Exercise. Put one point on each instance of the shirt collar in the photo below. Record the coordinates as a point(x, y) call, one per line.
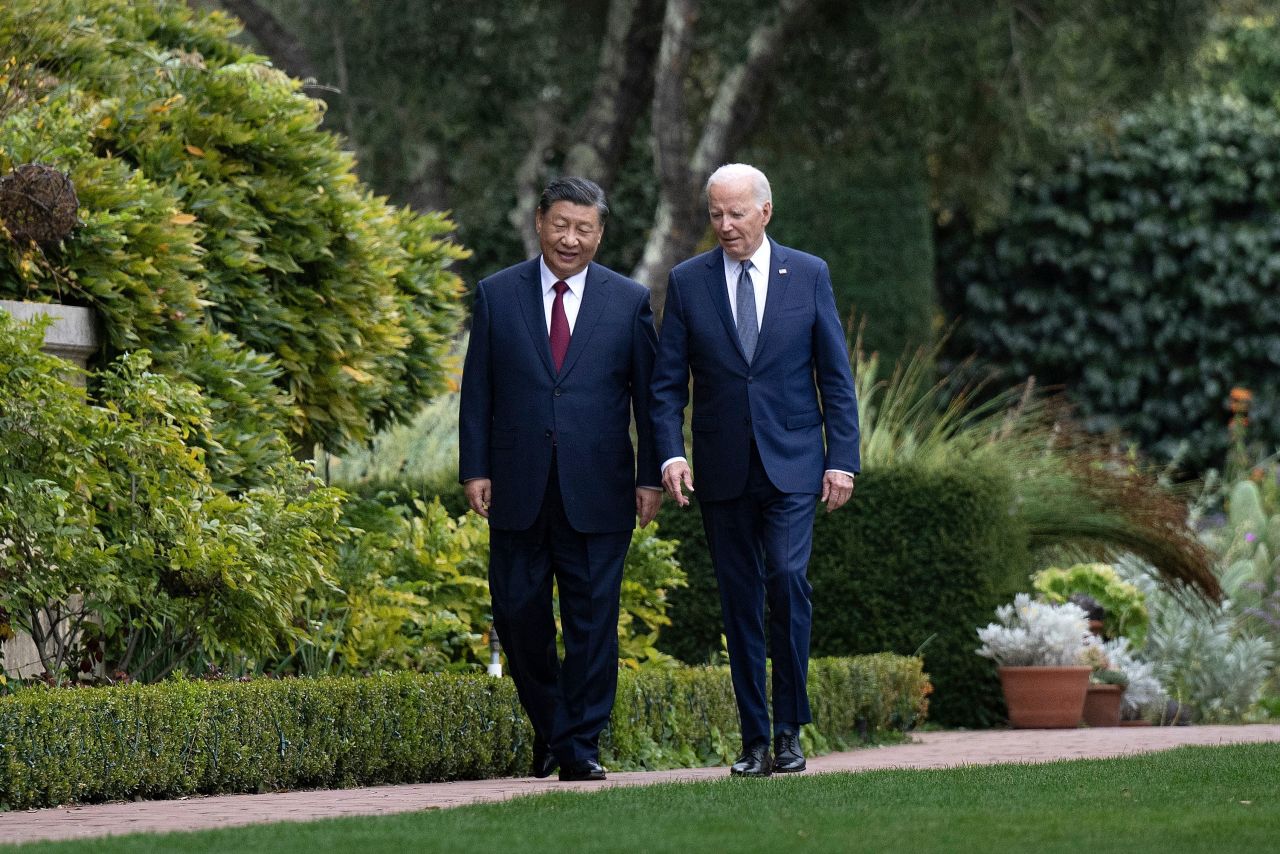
point(577, 282)
point(759, 260)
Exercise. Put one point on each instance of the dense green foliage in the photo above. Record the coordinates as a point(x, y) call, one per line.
point(213, 203)
point(182, 738)
point(113, 533)
point(954, 96)
point(411, 591)
point(916, 561)
point(872, 227)
point(1140, 274)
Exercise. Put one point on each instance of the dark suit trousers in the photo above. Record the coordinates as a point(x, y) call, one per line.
point(570, 703)
point(760, 544)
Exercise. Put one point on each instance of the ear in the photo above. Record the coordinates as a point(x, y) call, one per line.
point(767, 211)
point(537, 220)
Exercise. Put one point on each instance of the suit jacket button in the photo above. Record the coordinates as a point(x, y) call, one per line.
point(548, 434)
point(557, 391)
point(749, 379)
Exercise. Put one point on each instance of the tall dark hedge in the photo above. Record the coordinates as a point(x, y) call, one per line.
point(918, 561)
point(1142, 274)
point(871, 224)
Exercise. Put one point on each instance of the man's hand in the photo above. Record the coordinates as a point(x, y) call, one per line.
point(837, 488)
point(647, 503)
point(479, 491)
point(675, 476)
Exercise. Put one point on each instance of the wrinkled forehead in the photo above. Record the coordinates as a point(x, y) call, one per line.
point(736, 192)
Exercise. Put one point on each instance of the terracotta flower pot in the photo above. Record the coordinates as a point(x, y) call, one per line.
point(1044, 697)
point(1102, 705)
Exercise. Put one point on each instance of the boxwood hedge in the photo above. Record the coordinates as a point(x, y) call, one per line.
point(186, 737)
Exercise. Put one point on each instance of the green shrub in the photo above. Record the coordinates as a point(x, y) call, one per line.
point(181, 738)
point(411, 591)
point(917, 560)
point(212, 202)
point(103, 504)
point(869, 221)
point(1140, 274)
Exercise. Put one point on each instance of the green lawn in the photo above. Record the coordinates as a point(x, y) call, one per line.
point(1219, 799)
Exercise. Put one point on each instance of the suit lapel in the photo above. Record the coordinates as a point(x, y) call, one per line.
point(718, 291)
point(535, 316)
point(779, 277)
point(594, 296)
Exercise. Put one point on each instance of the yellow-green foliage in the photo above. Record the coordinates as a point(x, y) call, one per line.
point(180, 738)
point(1124, 604)
point(212, 201)
point(412, 592)
point(102, 498)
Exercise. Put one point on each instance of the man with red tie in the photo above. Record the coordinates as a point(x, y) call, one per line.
point(558, 365)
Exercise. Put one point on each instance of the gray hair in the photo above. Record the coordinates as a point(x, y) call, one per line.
point(734, 171)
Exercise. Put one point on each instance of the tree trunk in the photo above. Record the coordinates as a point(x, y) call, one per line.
point(681, 218)
point(531, 172)
point(624, 86)
point(285, 50)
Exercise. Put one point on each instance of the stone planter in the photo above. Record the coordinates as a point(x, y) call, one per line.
point(73, 336)
point(1102, 705)
point(1044, 697)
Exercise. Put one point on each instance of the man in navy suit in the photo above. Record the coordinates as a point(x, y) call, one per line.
point(755, 323)
point(560, 358)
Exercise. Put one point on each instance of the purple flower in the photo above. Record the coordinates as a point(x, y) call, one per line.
point(1250, 536)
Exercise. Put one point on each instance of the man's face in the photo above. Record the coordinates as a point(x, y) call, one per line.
point(738, 219)
point(570, 235)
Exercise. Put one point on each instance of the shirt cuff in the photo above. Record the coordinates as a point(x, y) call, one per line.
point(670, 461)
point(842, 471)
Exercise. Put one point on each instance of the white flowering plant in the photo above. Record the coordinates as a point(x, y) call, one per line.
point(1031, 633)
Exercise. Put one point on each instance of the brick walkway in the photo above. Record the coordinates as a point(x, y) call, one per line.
point(928, 750)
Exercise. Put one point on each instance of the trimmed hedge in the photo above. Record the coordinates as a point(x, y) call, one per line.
point(915, 563)
point(178, 738)
point(870, 221)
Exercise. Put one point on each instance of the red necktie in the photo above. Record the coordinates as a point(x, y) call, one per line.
point(559, 327)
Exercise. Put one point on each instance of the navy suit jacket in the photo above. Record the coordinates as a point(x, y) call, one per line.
point(801, 357)
point(514, 404)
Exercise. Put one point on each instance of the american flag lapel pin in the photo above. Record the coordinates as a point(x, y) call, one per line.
point(782, 271)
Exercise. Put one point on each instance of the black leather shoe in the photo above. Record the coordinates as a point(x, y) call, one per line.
point(585, 769)
point(788, 758)
point(754, 761)
point(544, 761)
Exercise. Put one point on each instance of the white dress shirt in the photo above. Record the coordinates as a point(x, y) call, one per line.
point(572, 298)
point(759, 279)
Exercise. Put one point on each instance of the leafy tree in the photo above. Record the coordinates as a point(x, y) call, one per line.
point(471, 109)
point(222, 228)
